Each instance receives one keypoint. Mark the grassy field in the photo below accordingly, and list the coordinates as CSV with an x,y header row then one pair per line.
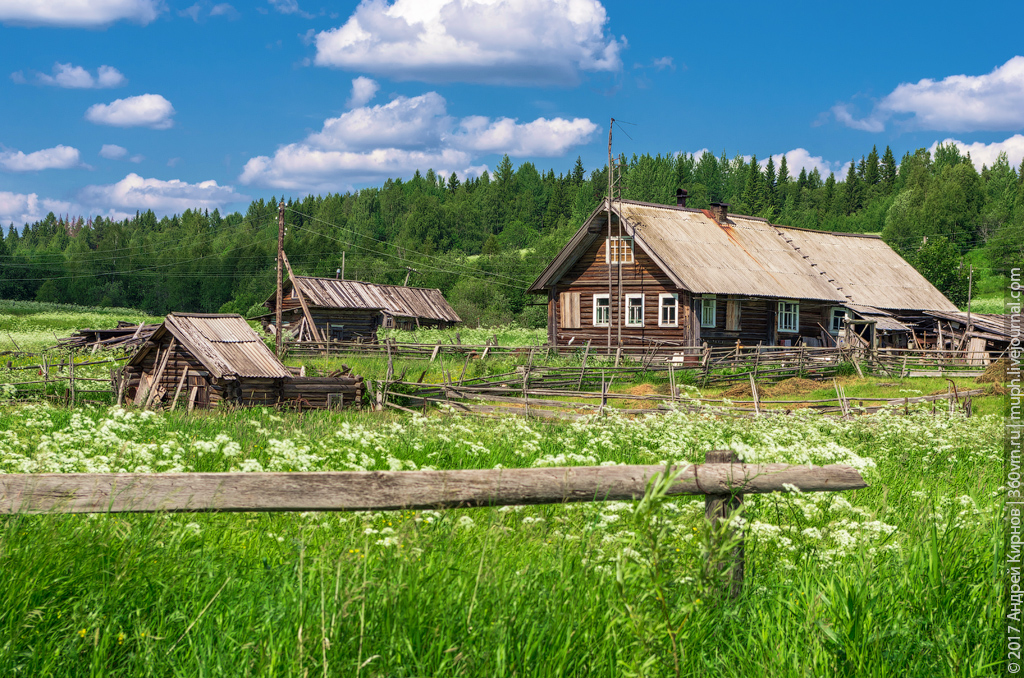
x,y
35,326
899,579
902,578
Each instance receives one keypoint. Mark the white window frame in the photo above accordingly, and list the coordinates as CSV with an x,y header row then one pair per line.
x,y
607,308
626,255
708,306
786,310
662,306
832,319
629,317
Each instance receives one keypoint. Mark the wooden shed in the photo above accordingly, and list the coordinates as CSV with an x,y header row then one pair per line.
x,y
207,359
346,310
681,276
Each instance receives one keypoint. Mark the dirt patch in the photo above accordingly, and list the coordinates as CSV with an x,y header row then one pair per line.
x,y
995,373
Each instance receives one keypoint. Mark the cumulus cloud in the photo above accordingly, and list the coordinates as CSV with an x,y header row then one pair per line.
x,y
363,91
58,157
163,197
113,151
200,11
958,103
987,154
289,7
800,158
78,13
76,77
24,208
508,42
541,137
146,110
401,136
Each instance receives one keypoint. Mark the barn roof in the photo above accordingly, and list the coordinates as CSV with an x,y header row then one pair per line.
x,y
223,343
395,300
749,256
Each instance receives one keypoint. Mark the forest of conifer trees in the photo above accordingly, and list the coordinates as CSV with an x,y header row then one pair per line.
x,y
483,240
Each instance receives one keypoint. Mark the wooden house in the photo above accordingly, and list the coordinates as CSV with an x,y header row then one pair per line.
x,y
345,310
208,359
678,276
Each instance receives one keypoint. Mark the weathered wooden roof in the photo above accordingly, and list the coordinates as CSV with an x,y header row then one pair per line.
x,y
224,344
749,256
993,323
395,300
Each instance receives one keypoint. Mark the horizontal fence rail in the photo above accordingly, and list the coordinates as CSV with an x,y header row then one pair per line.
x,y
394,490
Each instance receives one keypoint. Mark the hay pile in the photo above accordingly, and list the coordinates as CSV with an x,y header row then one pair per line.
x,y
788,387
996,373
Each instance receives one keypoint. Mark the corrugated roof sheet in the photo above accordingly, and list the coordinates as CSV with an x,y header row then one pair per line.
x,y
411,302
751,257
225,344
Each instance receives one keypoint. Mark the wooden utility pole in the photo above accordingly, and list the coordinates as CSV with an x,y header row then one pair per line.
x,y
280,276
970,290
608,241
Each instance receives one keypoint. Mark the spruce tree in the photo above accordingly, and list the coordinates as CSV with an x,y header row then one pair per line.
x,y
783,172
888,170
871,169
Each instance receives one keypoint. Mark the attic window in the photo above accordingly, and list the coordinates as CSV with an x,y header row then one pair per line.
x,y
619,249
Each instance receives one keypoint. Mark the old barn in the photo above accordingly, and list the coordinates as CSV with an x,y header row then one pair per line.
x,y
346,310
682,276
208,359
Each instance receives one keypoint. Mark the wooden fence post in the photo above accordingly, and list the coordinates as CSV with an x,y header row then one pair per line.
x,y
719,507
71,380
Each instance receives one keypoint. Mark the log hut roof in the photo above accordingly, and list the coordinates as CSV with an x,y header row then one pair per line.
x,y
223,343
996,324
395,300
749,256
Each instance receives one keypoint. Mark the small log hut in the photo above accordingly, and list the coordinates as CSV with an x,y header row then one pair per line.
x,y
213,359
350,310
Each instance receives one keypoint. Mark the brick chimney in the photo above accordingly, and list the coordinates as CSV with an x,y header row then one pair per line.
x,y
720,211
681,197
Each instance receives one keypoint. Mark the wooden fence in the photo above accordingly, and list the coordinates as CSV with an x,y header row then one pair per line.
x,y
722,479
64,376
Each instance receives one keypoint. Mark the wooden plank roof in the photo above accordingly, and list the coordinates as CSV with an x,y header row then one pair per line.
x,y
749,256
395,300
223,343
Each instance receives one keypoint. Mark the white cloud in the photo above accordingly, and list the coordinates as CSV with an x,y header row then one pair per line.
x,y
363,91
289,7
58,157
404,135
25,208
224,9
163,197
958,103
541,137
987,154
113,151
18,78
78,13
800,158
200,11
403,122
508,42
146,110
76,77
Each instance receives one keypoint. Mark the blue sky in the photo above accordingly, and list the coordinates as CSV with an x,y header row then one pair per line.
x,y
110,106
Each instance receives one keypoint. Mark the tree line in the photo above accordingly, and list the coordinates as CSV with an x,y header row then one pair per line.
x,y
482,240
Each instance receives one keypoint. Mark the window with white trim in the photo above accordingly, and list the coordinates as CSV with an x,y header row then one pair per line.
x,y
708,309
835,325
602,309
634,310
668,310
618,250
788,316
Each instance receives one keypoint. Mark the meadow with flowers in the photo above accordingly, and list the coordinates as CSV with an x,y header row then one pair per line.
x,y
901,578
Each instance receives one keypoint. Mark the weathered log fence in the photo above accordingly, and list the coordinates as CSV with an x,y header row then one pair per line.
x,y
722,479
61,374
